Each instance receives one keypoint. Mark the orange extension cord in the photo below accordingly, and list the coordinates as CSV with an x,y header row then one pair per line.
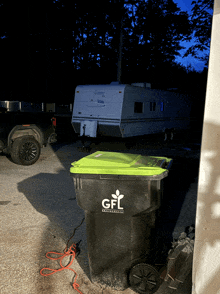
x,y
70,252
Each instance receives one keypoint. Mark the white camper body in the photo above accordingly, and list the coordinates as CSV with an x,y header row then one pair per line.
x,y
127,111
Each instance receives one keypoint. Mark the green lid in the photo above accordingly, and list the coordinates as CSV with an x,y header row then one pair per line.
x,y
115,163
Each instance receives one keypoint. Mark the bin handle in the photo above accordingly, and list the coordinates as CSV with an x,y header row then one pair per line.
x,y
148,210
155,207
105,178
170,164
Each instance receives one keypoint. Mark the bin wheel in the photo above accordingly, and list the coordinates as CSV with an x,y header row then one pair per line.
x,y
144,278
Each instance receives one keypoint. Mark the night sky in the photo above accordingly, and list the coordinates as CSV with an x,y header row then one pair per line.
x,y
185,5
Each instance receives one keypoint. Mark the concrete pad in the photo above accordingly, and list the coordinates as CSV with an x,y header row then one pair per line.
x,y
38,214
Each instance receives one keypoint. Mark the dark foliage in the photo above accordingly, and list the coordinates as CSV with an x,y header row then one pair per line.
x,y
48,48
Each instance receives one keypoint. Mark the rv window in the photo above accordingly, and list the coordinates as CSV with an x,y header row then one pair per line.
x,y
138,107
152,106
161,106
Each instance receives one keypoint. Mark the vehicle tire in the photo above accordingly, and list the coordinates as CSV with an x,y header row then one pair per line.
x,y
25,150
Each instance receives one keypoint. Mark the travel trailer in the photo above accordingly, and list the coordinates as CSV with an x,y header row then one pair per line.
x,y
123,110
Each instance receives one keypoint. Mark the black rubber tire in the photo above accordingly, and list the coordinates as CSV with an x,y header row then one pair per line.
x,y
144,279
165,135
171,136
25,150
168,135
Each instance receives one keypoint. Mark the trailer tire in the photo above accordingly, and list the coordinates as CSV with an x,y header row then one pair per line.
x,y
171,135
165,136
25,150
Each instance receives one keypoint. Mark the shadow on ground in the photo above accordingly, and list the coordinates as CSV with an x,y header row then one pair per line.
x,y
53,195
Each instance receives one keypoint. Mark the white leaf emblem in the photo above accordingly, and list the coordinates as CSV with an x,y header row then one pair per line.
x,y
117,196
114,196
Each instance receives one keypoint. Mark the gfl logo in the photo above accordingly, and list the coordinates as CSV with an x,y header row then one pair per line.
x,y
106,203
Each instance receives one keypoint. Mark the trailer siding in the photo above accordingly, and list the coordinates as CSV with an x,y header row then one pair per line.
x,y
128,111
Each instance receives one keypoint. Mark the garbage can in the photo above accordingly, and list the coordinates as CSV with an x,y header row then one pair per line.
x,y
120,194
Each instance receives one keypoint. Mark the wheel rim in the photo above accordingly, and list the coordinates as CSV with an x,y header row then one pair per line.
x,y
28,151
144,278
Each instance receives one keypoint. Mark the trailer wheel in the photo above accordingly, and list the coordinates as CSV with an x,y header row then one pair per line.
x,y
165,136
171,135
25,150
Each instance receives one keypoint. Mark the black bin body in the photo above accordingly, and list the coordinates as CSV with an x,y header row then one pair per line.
x,y
119,229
